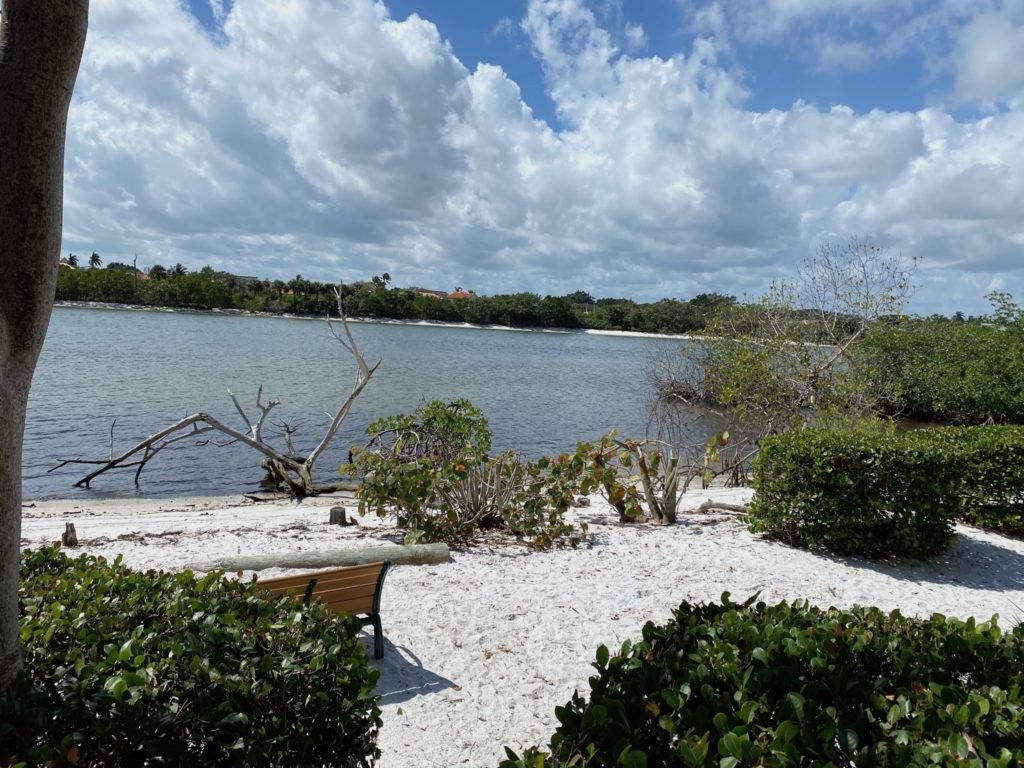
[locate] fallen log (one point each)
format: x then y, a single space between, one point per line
720 506
398 554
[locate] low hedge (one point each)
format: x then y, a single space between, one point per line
124 668
792 685
852 493
989 461
880 495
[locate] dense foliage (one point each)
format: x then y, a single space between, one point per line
949 370
432 469
988 463
376 298
854 493
787 685
879 494
126 669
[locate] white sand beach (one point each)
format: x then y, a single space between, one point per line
482 649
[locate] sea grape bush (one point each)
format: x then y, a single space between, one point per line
789 685
638 478
888 495
124 668
432 469
411 459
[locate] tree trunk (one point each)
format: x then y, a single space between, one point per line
41 45
404 554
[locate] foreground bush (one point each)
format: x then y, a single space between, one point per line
727 685
856 493
127 669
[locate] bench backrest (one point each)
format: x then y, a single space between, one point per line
351 589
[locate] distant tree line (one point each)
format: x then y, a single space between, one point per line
375 298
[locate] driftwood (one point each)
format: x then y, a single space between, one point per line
719 506
288 472
398 554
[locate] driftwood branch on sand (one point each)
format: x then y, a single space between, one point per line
398 554
721 506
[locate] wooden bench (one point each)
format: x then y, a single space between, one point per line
353 589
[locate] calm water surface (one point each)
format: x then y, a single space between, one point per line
541 392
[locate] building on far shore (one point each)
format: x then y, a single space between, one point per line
429 293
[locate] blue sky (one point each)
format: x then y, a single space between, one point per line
653 149
778 72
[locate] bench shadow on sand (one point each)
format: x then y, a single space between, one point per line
403 676
976 559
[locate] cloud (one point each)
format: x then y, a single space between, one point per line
218 10
326 138
986 61
636 38
505 27
851 55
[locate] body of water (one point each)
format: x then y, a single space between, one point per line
541 392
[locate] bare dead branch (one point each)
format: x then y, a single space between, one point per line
363 375
238 408
112 425
286 470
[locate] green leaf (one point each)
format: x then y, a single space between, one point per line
848 740
116 686
632 758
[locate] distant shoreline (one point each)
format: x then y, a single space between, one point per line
367 320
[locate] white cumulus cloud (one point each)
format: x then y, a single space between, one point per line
329 138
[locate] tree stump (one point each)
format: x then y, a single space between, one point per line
69 538
338 517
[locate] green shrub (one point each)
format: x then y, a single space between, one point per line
989 463
432 469
411 459
855 493
941 369
786 685
127 669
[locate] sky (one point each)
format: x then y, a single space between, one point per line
630 148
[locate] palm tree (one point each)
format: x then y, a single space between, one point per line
95 260
178 270
158 272
72 260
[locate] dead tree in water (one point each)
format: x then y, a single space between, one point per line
290 473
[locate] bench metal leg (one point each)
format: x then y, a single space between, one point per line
378 638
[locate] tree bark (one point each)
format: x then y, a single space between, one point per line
41 45
404 554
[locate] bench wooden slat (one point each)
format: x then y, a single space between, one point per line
284 584
351 589
351 593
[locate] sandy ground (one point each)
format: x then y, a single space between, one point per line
480 650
